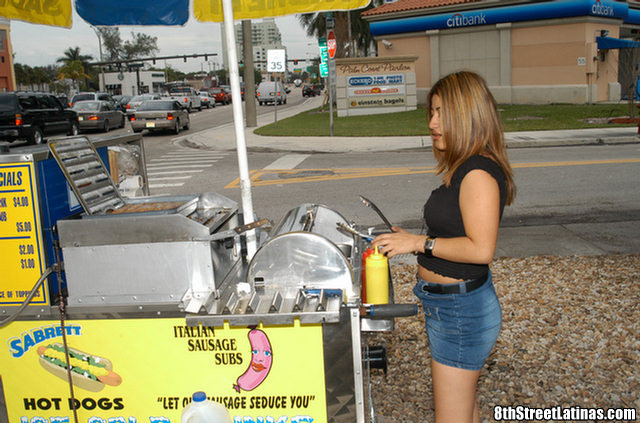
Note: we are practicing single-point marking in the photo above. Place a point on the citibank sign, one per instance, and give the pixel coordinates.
(599, 9)
(515, 13)
(458, 20)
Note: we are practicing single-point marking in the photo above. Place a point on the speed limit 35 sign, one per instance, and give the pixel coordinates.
(276, 61)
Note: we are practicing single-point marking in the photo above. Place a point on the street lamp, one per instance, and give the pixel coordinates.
(99, 35)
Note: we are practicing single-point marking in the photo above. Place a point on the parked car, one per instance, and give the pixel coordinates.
(137, 100)
(268, 92)
(187, 97)
(91, 96)
(160, 115)
(220, 95)
(205, 99)
(32, 116)
(98, 115)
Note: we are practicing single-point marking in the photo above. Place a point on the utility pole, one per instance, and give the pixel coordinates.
(99, 35)
(249, 75)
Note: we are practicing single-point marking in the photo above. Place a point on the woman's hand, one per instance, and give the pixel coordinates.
(398, 242)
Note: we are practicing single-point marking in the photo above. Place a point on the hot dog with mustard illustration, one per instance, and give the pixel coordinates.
(261, 361)
(88, 371)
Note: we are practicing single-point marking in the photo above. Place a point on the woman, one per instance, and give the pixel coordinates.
(462, 312)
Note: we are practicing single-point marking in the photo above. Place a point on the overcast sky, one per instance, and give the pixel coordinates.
(40, 45)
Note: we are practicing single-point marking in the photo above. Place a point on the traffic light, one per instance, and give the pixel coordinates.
(295, 61)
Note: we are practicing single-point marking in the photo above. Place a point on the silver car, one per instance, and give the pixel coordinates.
(98, 115)
(160, 115)
(137, 100)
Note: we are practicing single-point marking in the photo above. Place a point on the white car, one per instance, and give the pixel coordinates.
(206, 100)
(187, 97)
(269, 92)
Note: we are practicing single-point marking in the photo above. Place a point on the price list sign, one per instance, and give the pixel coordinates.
(20, 235)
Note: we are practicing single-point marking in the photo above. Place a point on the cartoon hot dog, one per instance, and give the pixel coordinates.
(88, 371)
(261, 360)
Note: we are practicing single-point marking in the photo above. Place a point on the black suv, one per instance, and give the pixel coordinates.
(31, 116)
(311, 90)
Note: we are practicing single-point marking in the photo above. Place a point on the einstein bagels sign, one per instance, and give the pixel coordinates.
(375, 85)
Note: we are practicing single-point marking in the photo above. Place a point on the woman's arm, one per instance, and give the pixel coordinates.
(480, 208)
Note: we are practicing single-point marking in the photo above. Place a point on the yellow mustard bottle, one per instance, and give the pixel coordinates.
(377, 278)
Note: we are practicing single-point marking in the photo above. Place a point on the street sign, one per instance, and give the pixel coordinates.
(324, 55)
(331, 43)
(324, 70)
(331, 22)
(276, 61)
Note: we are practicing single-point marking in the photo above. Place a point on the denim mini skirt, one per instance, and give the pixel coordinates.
(462, 328)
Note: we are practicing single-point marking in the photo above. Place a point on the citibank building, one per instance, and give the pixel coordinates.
(571, 51)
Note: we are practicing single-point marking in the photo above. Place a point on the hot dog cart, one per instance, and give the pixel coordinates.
(152, 298)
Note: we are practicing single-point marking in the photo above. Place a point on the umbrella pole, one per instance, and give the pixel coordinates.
(238, 120)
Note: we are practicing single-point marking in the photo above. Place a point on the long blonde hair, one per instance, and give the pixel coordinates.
(470, 125)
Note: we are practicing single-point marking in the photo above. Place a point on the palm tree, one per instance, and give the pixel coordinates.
(73, 70)
(72, 55)
(316, 26)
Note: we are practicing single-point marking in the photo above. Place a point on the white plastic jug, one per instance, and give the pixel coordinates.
(202, 410)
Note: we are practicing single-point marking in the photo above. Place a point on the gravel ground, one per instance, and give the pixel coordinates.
(570, 337)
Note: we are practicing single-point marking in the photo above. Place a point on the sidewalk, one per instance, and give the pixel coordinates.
(224, 138)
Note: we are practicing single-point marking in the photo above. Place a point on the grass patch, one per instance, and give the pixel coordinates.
(514, 117)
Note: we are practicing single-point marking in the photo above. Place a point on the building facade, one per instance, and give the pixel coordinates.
(528, 51)
(265, 35)
(126, 83)
(7, 75)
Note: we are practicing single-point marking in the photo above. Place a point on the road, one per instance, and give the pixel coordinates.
(556, 185)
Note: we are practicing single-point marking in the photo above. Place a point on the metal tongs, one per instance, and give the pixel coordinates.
(238, 230)
(352, 231)
(369, 203)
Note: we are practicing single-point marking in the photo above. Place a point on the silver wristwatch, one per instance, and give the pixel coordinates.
(428, 246)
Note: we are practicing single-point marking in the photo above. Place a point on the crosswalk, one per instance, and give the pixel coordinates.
(175, 168)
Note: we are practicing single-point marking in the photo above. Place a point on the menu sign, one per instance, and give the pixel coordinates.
(146, 370)
(21, 250)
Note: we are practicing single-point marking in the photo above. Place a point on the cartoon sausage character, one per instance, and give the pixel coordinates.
(260, 365)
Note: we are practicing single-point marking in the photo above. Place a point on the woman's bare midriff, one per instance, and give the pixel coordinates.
(430, 276)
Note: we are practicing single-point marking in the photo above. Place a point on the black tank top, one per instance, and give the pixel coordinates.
(443, 218)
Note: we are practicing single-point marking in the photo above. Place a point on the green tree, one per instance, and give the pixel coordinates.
(111, 42)
(315, 25)
(140, 45)
(40, 77)
(223, 77)
(71, 56)
(74, 71)
(23, 74)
